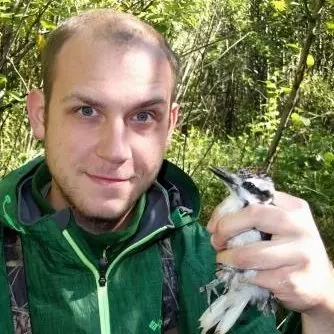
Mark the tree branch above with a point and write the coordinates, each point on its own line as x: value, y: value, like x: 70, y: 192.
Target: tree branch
x: 293, y: 97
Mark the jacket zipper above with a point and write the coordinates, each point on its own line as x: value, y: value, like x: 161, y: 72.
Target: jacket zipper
x: 101, y: 283
x: 101, y: 274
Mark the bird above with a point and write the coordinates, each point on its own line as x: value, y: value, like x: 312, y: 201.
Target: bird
x: 245, y: 187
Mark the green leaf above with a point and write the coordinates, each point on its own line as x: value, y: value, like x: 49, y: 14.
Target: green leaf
x: 286, y: 90
x: 3, y: 80
x: 299, y: 121
x: 40, y: 42
x: 47, y: 25
x: 295, y: 118
x: 295, y: 47
x: 309, y: 61
x: 329, y: 157
x: 329, y: 26
x: 6, y: 15
x: 279, y: 5
x: 270, y: 84
x: 16, y: 97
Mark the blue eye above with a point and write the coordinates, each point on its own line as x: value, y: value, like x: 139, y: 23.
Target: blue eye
x: 86, y: 111
x: 142, y: 116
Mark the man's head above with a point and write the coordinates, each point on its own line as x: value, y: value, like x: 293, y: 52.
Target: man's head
x: 108, y: 98
x: 119, y: 28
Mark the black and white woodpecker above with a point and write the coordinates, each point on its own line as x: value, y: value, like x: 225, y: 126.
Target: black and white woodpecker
x: 245, y: 188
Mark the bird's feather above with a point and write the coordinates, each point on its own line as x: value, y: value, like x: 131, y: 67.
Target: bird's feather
x: 245, y: 188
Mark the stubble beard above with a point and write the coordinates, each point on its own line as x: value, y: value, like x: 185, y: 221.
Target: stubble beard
x: 95, y: 224
x: 90, y: 222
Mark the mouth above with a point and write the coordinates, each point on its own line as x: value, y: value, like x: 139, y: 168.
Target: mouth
x: 107, y: 180
x: 228, y: 178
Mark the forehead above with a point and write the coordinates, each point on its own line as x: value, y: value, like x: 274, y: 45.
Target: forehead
x: 129, y: 70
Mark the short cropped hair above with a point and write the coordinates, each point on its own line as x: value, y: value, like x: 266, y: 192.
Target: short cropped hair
x: 108, y: 24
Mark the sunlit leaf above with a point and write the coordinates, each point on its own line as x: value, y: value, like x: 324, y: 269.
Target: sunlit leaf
x: 286, y: 90
x: 309, y: 61
x: 3, y: 80
x: 270, y: 84
x: 295, y: 47
x: 329, y: 157
x: 40, y: 42
x: 329, y: 26
x: 299, y: 121
x: 279, y: 5
x: 6, y: 15
x: 16, y: 97
x: 47, y: 25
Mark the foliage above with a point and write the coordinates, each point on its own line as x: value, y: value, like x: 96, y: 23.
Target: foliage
x: 238, y: 59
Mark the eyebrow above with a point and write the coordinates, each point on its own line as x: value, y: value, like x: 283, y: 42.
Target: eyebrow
x: 151, y: 102
x: 82, y: 98
x: 95, y: 103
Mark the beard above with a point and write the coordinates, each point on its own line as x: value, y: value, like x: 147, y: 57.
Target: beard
x: 95, y: 210
x: 90, y: 222
x: 100, y: 222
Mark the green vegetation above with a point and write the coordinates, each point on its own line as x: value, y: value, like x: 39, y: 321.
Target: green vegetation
x: 256, y: 88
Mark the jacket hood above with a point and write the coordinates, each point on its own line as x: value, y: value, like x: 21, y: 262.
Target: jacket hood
x: 178, y: 182
x: 9, y: 193
x: 17, y: 205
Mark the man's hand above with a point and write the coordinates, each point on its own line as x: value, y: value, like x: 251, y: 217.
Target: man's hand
x: 294, y: 264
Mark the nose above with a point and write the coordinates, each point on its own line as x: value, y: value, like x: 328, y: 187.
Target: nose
x: 113, y: 144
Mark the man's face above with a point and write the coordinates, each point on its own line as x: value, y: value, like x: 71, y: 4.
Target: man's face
x: 109, y: 121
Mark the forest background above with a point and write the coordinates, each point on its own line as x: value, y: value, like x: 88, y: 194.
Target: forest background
x: 256, y: 88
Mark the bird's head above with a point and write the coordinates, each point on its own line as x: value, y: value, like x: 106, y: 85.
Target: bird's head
x: 248, y: 186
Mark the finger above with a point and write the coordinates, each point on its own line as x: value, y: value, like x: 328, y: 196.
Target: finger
x: 264, y: 255
x: 281, y: 200
x: 278, y: 280
x: 215, y: 218
x: 268, y: 219
x: 289, y: 202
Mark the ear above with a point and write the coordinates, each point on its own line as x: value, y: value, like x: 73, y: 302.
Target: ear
x: 173, y: 117
x: 36, y: 112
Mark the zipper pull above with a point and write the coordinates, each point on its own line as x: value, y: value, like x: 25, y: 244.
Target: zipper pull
x: 103, y: 266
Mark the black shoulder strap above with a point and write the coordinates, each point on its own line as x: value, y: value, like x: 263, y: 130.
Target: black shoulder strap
x: 17, y: 282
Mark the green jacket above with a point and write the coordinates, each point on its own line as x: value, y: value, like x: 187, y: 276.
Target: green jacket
x: 69, y: 293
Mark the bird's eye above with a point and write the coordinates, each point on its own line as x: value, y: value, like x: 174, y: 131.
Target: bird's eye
x: 248, y: 185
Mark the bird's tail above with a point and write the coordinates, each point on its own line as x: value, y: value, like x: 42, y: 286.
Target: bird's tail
x: 225, y: 311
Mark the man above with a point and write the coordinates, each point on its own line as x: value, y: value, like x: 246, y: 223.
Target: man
x: 109, y: 231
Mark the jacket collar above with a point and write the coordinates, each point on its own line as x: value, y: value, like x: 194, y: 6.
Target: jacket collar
x: 172, y: 201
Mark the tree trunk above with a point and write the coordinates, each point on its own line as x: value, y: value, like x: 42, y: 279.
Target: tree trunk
x: 299, y: 75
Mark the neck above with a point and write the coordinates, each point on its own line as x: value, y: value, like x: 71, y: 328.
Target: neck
x: 98, y: 226
x: 93, y: 225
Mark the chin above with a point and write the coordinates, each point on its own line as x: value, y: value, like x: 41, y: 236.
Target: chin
x: 97, y: 217
x: 104, y: 213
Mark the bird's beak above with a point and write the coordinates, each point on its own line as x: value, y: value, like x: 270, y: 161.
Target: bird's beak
x: 230, y: 179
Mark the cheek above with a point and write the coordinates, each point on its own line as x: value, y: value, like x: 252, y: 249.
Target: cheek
x: 66, y: 143
x: 149, y: 151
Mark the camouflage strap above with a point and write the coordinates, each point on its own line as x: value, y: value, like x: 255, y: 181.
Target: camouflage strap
x: 170, y: 307
x: 18, y: 287
x: 17, y: 282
